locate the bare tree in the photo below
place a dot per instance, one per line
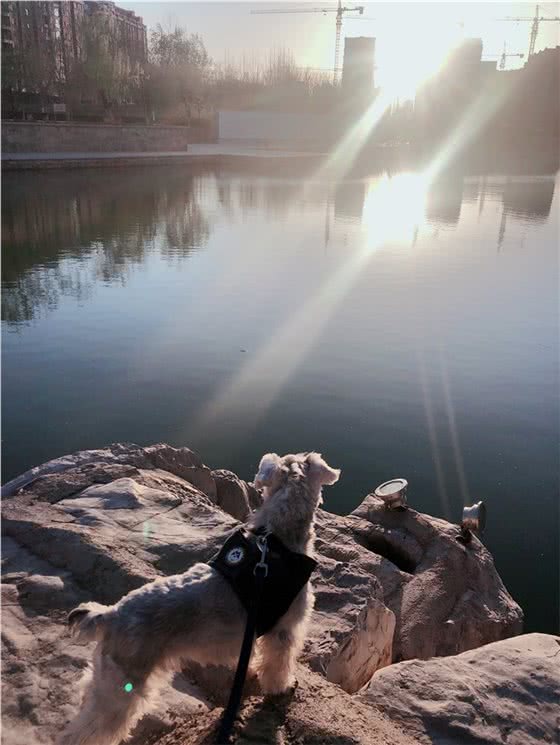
(177, 73)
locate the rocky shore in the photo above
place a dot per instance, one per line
(391, 587)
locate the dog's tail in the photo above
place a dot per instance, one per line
(88, 621)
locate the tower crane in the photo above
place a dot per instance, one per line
(340, 10)
(536, 20)
(503, 55)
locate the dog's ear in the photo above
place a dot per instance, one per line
(320, 469)
(269, 468)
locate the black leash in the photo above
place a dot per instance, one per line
(230, 712)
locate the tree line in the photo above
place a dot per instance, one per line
(177, 83)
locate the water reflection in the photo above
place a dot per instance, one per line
(349, 200)
(527, 199)
(531, 199)
(445, 197)
(62, 234)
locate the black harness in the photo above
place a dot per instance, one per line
(266, 576)
(287, 573)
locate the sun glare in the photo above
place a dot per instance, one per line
(404, 64)
(394, 208)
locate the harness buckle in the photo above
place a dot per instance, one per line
(263, 548)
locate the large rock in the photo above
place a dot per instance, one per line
(235, 496)
(506, 692)
(351, 635)
(447, 597)
(97, 524)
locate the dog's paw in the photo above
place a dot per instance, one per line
(283, 692)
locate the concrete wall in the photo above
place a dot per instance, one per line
(43, 137)
(273, 127)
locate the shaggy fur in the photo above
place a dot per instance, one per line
(196, 615)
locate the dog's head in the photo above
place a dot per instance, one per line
(275, 472)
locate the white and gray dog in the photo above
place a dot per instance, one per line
(197, 616)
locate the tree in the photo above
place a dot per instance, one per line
(177, 48)
(105, 74)
(177, 73)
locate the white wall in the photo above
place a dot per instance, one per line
(265, 126)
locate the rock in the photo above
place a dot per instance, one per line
(505, 692)
(352, 631)
(181, 462)
(94, 525)
(232, 494)
(447, 597)
(129, 530)
(42, 666)
(318, 713)
(368, 648)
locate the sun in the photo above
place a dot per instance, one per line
(408, 59)
(394, 208)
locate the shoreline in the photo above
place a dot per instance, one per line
(204, 153)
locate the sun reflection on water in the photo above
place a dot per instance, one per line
(394, 208)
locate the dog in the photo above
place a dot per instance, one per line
(197, 616)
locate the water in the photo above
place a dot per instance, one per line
(401, 328)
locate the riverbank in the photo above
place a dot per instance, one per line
(211, 154)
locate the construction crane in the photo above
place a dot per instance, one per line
(503, 55)
(340, 10)
(536, 20)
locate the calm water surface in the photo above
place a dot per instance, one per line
(403, 329)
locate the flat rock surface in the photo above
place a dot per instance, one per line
(506, 692)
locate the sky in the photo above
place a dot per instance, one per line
(409, 35)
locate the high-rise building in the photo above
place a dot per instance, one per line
(359, 64)
(126, 28)
(7, 27)
(41, 41)
(45, 37)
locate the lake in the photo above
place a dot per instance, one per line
(401, 326)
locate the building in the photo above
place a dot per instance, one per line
(126, 28)
(444, 99)
(43, 41)
(359, 64)
(7, 29)
(531, 108)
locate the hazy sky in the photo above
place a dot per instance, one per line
(407, 34)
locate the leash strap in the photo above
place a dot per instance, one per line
(230, 712)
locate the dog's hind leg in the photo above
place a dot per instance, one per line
(113, 702)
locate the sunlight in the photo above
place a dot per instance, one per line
(485, 105)
(259, 383)
(344, 155)
(399, 76)
(393, 210)
(394, 207)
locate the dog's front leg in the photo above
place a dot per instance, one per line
(278, 650)
(277, 653)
